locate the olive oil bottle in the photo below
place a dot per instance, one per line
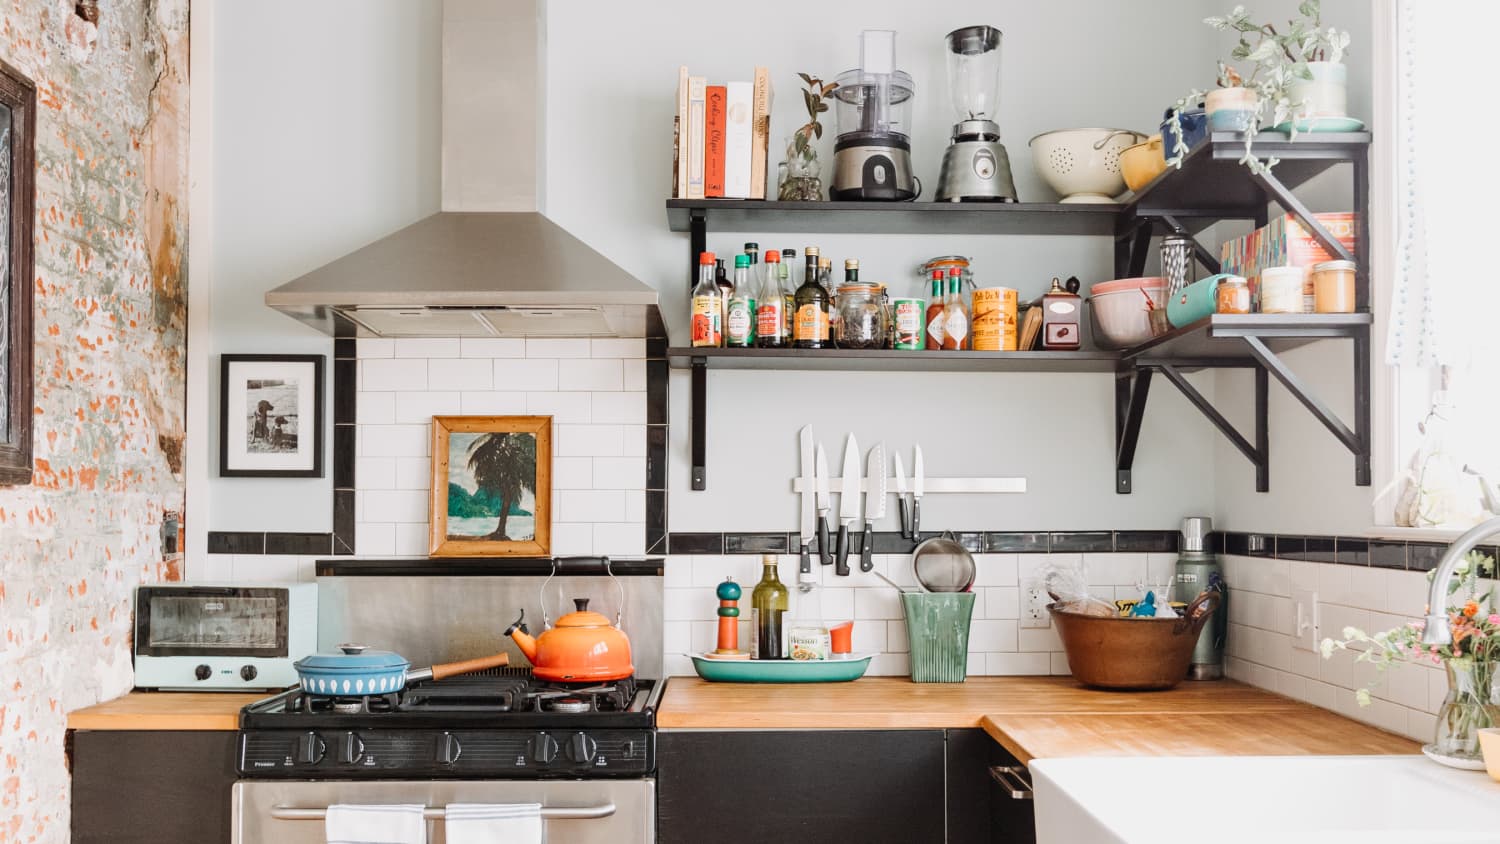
(768, 606)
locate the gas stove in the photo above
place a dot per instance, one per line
(495, 725)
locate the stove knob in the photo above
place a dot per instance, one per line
(582, 749)
(543, 748)
(310, 749)
(203, 672)
(248, 672)
(351, 749)
(449, 749)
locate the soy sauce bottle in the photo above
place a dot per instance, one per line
(810, 327)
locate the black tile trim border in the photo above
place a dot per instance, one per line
(978, 541)
(1343, 550)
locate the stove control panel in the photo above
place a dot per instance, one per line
(519, 754)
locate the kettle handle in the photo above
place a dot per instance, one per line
(559, 563)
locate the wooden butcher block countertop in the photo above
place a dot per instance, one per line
(165, 711)
(1038, 717)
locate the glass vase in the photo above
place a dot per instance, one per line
(1471, 705)
(799, 175)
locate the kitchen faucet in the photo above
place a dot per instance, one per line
(1437, 632)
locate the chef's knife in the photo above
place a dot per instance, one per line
(825, 550)
(848, 505)
(874, 504)
(901, 505)
(805, 579)
(916, 495)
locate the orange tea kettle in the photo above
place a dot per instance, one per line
(583, 647)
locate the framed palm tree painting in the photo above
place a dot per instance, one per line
(491, 486)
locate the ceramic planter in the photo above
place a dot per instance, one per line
(1324, 95)
(1231, 109)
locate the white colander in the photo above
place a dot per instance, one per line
(1083, 165)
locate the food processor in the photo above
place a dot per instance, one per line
(976, 167)
(872, 155)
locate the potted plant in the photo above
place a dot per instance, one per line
(799, 174)
(1295, 74)
(1473, 701)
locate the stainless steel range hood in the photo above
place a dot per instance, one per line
(489, 264)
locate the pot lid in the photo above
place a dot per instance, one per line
(351, 657)
(583, 616)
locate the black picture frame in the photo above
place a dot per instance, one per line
(234, 465)
(18, 203)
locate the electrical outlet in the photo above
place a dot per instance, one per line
(1304, 620)
(1034, 601)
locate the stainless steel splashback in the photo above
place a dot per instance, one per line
(441, 619)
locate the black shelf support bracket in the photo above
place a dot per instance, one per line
(1132, 386)
(698, 244)
(700, 423)
(1259, 453)
(1294, 206)
(1357, 440)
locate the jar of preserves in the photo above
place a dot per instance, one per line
(1232, 296)
(861, 322)
(1333, 287)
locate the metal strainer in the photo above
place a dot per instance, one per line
(941, 564)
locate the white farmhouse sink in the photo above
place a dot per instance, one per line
(1266, 800)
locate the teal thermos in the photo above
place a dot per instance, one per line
(1199, 571)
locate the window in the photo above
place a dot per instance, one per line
(1443, 306)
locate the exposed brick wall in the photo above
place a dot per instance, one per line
(110, 288)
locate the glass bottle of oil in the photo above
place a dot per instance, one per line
(768, 606)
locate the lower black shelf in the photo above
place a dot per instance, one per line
(891, 360)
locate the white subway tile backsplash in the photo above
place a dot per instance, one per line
(572, 473)
(677, 572)
(427, 347)
(562, 407)
(837, 604)
(889, 665)
(1001, 664)
(1038, 639)
(588, 505)
(619, 473)
(1115, 569)
(635, 506)
(634, 375)
(461, 374)
(375, 472)
(895, 637)
(569, 539)
(273, 568)
(1367, 587)
(868, 636)
(525, 374)
(394, 440)
(677, 637)
(558, 348)
(620, 539)
(620, 408)
(995, 570)
(375, 409)
(412, 540)
(877, 603)
(374, 539)
(596, 374)
(412, 473)
(379, 374)
(688, 604)
(634, 441)
(492, 403)
(1002, 602)
(617, 348)
(589, 440)
(374, 348)
(394, 505)
(492, 347)
(992, 635)
(419, 407)
(1060, 665)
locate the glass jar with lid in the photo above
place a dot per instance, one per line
(862, 317)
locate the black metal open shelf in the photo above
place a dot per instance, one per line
(1211, 185)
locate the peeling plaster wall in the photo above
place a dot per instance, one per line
(110, 287)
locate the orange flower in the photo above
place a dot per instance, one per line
(1471, 609)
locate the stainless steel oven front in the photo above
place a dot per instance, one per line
(576, 811)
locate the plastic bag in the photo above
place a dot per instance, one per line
(1067, 582)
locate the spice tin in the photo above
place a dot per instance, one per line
(911, 324)
(994, 320)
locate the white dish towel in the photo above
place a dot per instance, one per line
(390, 824)
(495, 823)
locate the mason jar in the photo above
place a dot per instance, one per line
(862, 320)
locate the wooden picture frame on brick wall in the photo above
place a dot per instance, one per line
(491, 486)
(17, 203)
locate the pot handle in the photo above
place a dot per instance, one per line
(1196, 613)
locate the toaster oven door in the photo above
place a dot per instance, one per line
(209, 621)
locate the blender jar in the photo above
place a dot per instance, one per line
(974, 77)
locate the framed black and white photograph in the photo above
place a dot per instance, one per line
(17, 195)
(270, 416)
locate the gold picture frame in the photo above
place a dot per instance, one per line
(480, 478)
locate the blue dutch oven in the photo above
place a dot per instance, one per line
(358, 670)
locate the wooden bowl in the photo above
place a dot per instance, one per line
(1132, 653)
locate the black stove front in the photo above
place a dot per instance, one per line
(494, 726)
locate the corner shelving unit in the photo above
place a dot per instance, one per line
(1212, 185)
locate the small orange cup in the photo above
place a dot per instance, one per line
(841, 638)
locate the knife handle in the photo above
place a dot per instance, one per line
(867, 549)
(825, 549)
(841, 564)
(804, 563)
(905, 516)
(916, 517)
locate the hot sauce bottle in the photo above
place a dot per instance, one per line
(935, 316)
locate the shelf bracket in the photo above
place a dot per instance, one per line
(697, 244)
(1259, 453)
(1131, 389)
(1296, 208)
(1358, 440)
(700, 422)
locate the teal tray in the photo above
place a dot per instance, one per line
(782, 670)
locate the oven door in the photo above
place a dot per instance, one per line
(577, 811)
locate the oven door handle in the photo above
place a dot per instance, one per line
(437, 813)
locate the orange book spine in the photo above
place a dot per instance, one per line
(713, 159)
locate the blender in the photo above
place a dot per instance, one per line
(976, 167)
(872, 155)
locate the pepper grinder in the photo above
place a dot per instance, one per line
(729, 622)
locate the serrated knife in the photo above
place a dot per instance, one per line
(848, 504)
(805, 579)
(825, 549)
(874, 504)
(916, 495)
(903, 509)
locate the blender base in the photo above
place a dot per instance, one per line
(976, 171)
(872, 173)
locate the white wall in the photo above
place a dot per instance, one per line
(325, 137)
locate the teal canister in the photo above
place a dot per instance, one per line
(1195, 301)
(1198, 571)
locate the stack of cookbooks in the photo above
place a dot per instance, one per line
(721, 137)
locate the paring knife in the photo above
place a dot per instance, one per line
(916, 495)
(805, 579)
(901, 505)
(848, 505)
(825, 550)
(874, 504)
